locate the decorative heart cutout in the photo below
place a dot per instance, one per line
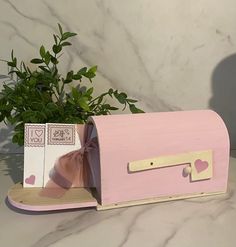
(30, 180)
(200, 165)
(38, 133)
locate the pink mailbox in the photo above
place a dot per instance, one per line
(145, 158)
(160, 156)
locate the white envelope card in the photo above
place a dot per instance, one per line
(34, 143)
(60, 139)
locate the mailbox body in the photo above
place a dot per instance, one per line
(126, 138)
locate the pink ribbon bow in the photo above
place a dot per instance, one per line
(72, 169)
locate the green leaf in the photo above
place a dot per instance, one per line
(93, 69)
(12, 55)
(52, 107)
(8, 89)
(71, 101)
(82, 70)
(44, 69)
(60, 29)
(37, 105)
(26, 115)
(42, 51)
(15, 138)
(48, 113)
(36, 61)
(11, 64)
(83, 104)
(67, 35)
(20, 137)
(55, 38)
(109, 107)
(75, 93)
(89, 91)
(6, 108)
(121, 97)
(20, 75)
(54, 71)
(11, 72)
(106, 106)
(25, 68)
(34, 118)
(56, 48)
(21, 140)
(19, 126)
(15, 61)
(28, 70)
(54, 60)
(89, 75)
(110, 92)
(100, 100)
(32, 81)
(69, 75)
(134, 109)
(77, 77)
(112, 108)
(43, 115)
(47, 58)
(65, 43)
(131, 100)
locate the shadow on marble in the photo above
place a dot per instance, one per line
(223, 94)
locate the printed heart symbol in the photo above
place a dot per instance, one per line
(30, 180)
(200, 165)
(38, 133)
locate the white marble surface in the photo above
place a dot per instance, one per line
(209, 221)
(170, 55)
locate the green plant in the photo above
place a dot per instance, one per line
(39, 96)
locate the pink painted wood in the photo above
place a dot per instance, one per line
(58, 206)
(124, 138)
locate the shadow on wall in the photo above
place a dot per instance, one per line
(14, 167)
(6, 145)
(14, 163)
(223, 100)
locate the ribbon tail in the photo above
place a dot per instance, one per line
(67, 171)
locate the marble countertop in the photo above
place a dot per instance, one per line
(209, 221)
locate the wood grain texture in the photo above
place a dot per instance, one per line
(155, 200)
(30, 199)
(168, 161)
(125, 138)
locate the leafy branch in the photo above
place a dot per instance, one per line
(39, 96)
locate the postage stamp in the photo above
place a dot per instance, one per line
(34, 135)
(61, 134)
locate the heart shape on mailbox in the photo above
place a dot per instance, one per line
(30, 180)
(200, 165)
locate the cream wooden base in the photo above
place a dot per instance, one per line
(29, 199)
(155, 200)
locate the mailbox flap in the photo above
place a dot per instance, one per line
(198, 164)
